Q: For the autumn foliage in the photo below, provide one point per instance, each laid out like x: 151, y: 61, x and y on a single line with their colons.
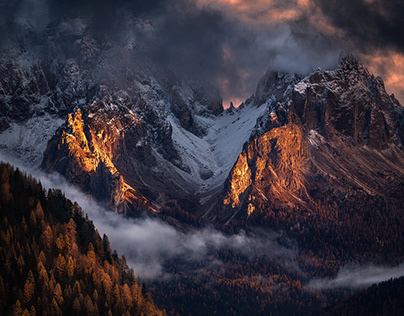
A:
x: 54, y: 262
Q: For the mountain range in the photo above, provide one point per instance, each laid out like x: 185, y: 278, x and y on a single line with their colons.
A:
x: 318, y: 157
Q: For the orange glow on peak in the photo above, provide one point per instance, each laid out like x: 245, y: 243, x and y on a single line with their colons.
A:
x: 390, y: 66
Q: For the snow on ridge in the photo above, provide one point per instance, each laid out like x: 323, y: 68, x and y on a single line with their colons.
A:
x: 301, y: 87
x: 28, y: 141
x: 315, y: 139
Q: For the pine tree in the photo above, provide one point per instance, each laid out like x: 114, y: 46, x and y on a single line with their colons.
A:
x: 29, y: 289
x: 76, y: 306
x: 32, y: 219
x: 89, y: 306
x: 18, y: 309
x: 126, y: 295
x: 32, y: 311
x: 55, y: 309
x: 5, y: 193
x: 3, y: 292
x: 58, y: 294
x: 60, y: 265
x: 70, y: 267
x: 47, y: 238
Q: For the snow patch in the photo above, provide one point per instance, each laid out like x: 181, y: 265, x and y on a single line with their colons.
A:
x: 211, y: 157
x: 28, y: 141
x: 301, y: 87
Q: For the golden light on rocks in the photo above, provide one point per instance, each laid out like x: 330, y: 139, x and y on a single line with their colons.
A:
x: 276, y: 164
x: 241, y: 180
x: 251, y: 209
x: 89, y: 144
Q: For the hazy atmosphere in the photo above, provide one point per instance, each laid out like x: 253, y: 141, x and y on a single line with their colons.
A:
x: 148, y: 243
x: 231, y: 43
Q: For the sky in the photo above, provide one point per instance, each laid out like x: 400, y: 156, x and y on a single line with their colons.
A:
x: 232, y: 43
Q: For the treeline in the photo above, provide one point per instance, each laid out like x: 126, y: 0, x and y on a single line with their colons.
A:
x: 54, y: 262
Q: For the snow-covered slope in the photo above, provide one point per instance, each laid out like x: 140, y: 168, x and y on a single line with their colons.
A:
x: 132, y: 133
x: 27, y: 141
x: 161, y: 134
x: 210, y: 158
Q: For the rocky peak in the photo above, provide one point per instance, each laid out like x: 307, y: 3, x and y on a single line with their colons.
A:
x: 86, y: 148
x: 350, y: 64
x: 275, y: 86
x: 337, y: 130
x: 347, y: 102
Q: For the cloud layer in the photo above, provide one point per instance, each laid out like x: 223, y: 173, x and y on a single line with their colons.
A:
x: 148, y: 243
x: 231, y: 43
x: 358, y: 277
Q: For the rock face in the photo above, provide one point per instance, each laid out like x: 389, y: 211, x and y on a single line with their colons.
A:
x: 83, y: 155
x: 338, y: 138
x: 272, y: 169
x: 109, y: 116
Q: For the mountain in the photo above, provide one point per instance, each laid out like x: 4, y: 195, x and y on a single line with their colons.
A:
x: 54, y: 262
x: 139, y: 137
x: 165, y: 136
x: 316, y: 160
x: 336, y: 129
x: 329, y: 158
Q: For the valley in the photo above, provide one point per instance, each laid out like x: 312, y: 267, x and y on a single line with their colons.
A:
x: 256, y: 210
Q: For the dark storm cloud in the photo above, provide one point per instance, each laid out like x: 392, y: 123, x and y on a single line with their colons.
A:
x: 373, y: 23
x: 103, y: 14
x: 206, y: 44
x: 229, y: 44
x: 213, y: 44
x: 194, y: 39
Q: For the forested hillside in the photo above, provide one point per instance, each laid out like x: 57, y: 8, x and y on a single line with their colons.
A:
x: 54, y: 262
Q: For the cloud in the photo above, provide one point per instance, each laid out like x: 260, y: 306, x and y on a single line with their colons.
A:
x: 148, y: 243
x: 390, y: 66
x: 219, y: 43
x: 373, y: 30
x: 232, y: 43
x: 202, y: 40
x: 373, y: 23
x: 358, y: 277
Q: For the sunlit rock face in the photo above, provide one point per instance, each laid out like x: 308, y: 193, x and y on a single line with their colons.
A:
x: 341, y: 135
x: 85, y: 150
x: 273, y: 166
x: 125, y: 118
x: 120, y: 146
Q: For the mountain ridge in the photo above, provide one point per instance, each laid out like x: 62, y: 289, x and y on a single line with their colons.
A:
x: 175, y: 132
